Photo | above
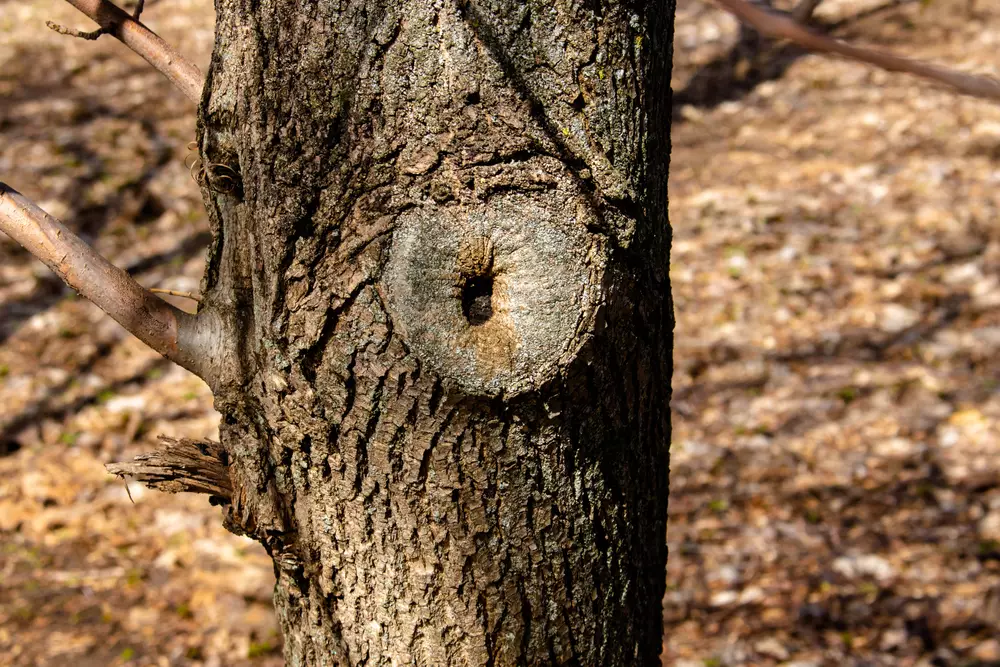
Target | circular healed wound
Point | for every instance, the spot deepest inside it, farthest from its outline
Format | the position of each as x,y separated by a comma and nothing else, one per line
496,297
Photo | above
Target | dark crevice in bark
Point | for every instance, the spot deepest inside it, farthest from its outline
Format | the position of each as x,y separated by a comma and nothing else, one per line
350,385
508,158
437,392
374,416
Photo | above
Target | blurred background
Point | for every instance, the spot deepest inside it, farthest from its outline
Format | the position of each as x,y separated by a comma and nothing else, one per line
835,482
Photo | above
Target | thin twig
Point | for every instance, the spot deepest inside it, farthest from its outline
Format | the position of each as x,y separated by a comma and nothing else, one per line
72,32
127,29
191,341
779,26
186,295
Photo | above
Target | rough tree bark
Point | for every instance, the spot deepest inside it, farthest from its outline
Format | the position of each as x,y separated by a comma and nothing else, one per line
442,239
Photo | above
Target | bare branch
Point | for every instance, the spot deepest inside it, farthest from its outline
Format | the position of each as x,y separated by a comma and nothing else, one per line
127,29
192,341
779,26
136,13
194,466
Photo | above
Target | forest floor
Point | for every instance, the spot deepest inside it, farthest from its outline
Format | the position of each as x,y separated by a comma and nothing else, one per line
835,483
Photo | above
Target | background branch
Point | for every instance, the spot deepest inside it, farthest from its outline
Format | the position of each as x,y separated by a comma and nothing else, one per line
118,23
193,342
780,26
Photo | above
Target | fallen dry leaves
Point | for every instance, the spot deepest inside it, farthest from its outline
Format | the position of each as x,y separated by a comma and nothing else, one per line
835,477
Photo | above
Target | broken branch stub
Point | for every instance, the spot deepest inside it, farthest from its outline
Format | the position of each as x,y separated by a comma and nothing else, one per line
497,297
193,466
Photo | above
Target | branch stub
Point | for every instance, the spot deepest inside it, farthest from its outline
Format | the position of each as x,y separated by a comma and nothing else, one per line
496,297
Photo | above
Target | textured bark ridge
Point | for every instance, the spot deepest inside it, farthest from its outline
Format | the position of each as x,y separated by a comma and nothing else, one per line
446,260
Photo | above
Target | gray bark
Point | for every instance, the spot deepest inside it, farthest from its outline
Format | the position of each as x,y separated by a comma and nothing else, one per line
441,237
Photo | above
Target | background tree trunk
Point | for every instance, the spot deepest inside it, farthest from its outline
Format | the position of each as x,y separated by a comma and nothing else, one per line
441,237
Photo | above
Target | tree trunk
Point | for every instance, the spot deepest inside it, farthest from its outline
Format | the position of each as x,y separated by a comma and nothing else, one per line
441,240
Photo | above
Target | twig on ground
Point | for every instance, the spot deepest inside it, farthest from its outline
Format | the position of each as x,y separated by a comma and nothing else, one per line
127,29
780,26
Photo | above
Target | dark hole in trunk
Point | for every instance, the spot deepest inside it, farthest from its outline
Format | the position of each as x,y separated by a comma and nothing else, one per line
477,299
